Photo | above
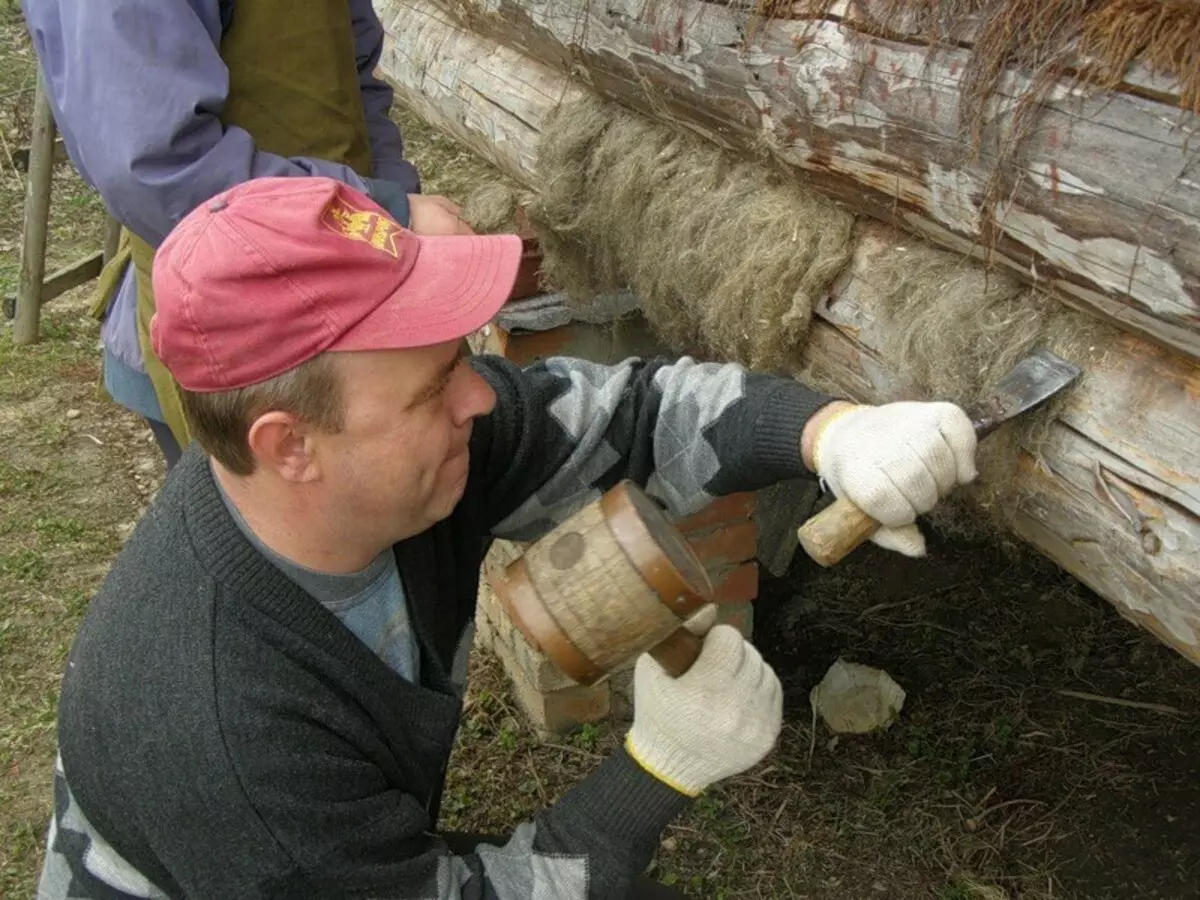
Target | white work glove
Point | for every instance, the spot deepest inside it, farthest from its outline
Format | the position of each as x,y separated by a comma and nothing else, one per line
894,462
720,718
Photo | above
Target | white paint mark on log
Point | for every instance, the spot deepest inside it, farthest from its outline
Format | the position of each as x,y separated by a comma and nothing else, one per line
830,102
1114,264
953,201
1058,180
873,167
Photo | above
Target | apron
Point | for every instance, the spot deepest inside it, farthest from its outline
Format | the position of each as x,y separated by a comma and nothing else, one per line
293,85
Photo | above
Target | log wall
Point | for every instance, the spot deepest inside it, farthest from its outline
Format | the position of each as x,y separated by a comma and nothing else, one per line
1113,496
1101,205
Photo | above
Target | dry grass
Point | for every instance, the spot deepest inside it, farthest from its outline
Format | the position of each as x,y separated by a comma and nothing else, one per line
73,476
727,255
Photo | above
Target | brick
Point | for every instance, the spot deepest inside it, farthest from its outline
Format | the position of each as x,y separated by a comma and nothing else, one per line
734,543
536,667
562,711
485,632
621,708
739,615
488,340
731,507
515,651
738,586
528,281
502,553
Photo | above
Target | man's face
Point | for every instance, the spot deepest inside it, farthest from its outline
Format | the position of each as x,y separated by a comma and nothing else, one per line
400,462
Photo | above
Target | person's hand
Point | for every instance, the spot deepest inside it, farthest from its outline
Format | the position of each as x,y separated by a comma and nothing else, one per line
428,214
434,214
392,197
718,719
894,462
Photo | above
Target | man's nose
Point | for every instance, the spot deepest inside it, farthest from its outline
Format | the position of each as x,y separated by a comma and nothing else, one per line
475,397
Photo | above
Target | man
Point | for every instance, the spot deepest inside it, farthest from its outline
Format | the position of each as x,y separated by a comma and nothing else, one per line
165,103
262,698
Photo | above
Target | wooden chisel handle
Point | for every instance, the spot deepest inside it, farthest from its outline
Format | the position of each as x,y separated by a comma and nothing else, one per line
677,651
835,531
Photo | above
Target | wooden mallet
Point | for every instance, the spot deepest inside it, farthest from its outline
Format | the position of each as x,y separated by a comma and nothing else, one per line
613,581
841,527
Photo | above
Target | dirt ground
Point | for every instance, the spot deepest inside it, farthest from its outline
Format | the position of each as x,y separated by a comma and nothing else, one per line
994,783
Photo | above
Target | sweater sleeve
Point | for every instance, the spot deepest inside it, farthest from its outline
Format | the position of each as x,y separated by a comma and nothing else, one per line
329,825
565,430
347,831
387,146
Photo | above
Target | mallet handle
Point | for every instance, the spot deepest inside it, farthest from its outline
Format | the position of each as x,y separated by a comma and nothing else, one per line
836,530
677,651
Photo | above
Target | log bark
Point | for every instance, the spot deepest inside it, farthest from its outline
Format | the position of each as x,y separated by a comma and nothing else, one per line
1113,496
1101,205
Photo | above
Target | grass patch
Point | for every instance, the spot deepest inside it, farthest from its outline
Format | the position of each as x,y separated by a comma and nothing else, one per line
26,566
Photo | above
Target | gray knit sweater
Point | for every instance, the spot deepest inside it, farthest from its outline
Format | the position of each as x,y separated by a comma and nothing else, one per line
222,735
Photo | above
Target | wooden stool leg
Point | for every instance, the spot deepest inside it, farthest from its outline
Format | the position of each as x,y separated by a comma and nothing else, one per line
37,214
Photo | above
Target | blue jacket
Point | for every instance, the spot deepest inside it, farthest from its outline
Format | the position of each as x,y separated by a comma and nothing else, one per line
137,87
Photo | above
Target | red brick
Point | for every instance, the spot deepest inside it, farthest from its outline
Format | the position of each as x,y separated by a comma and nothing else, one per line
724,509
529,275
734,543
564,710
738,586
739,615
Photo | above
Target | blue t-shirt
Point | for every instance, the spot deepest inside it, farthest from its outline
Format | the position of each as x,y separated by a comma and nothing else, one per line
370,602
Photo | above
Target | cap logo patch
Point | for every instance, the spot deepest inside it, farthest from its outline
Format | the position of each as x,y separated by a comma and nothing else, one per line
363,225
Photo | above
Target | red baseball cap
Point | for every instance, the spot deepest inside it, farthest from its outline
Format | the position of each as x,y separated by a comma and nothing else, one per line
274,271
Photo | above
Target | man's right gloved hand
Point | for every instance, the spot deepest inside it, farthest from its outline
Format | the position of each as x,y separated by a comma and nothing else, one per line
718,719
894,462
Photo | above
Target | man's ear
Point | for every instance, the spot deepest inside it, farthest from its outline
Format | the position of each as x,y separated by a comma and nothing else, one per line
281,442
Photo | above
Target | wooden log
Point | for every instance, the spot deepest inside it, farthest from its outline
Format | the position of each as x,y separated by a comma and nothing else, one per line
1113,496
37,218
20,156
1101,205
875,17
63,280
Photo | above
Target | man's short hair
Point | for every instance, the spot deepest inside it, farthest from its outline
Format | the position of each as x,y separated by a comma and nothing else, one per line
220,421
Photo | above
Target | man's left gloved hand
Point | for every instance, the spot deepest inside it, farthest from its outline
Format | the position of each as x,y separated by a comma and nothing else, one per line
894,462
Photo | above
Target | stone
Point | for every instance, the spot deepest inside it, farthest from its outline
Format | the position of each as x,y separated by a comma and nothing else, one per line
857,699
